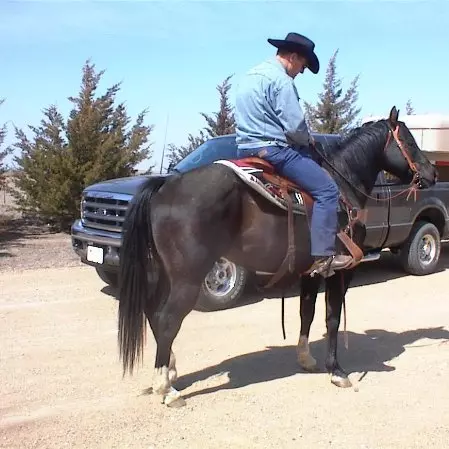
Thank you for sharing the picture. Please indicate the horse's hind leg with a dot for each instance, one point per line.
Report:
(309, 292)
(166, 324)
(172, 371)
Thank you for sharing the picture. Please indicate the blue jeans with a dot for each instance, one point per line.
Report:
(300, 168)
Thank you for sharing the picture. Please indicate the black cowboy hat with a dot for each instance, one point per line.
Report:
(301, 44)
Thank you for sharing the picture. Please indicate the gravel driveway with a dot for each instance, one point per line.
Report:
(61, 383)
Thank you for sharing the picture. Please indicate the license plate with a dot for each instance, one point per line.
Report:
(95, 254)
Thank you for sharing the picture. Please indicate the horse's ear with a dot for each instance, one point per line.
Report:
(394, 114)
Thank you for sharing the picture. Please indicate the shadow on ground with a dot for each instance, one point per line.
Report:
(385, 269)
(368, 352)
(15, 232)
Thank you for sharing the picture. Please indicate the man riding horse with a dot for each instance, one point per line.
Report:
(270, 124)
(171, 228)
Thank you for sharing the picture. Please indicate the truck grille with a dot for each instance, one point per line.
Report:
(106, 211)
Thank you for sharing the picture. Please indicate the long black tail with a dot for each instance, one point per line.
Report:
(138, 258)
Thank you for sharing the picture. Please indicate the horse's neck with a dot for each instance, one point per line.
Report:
(361, 174)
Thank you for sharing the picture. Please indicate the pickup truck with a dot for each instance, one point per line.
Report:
(411, 229)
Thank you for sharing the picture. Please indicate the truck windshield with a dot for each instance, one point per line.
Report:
(207, 153)
(224, 147)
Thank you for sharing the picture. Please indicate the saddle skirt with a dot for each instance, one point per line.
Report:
(261, 176)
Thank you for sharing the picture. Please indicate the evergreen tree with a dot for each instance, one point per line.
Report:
(336, 111)
(3, 152)
(45, 177)
(64, 156)
(409, 110)
(221, 122)
(218, 124)
(178, 153)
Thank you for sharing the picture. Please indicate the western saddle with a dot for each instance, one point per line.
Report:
(283, 188)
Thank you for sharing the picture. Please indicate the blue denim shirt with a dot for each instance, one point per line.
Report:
(267, 109)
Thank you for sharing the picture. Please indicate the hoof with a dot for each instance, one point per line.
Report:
(174, 399)
(307, 363)
(339, 381)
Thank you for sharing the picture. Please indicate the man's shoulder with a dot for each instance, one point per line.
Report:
(269, 67)
(271, 72)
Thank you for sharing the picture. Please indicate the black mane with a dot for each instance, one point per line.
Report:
(360, 143)
(358, 157)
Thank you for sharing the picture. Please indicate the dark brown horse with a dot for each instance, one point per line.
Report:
(177, 227)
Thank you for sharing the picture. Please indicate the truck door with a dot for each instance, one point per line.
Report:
(377, 214)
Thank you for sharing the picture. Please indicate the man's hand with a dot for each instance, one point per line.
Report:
(315, 150)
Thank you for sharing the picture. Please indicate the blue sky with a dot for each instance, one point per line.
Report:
(170, 55)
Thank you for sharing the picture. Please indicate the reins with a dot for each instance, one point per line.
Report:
(350, 209)
(353, 216)
(414, 184)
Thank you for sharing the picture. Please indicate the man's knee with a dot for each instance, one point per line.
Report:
(330, 192)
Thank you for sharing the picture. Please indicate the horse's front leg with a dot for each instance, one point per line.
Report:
(309, 292)
(336, 287)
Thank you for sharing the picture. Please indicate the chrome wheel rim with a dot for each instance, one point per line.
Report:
(222, 278)
(427, 249)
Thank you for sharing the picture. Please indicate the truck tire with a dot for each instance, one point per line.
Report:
(419, 255)
(222, 287)
(110, 277)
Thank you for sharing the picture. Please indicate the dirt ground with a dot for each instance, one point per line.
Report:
(61, 383)
(24, 247)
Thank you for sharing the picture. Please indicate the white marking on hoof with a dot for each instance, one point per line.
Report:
(172, 372)
(161, 382)
(174, 399)
(172, 375)
(342, 382)
(305, 360)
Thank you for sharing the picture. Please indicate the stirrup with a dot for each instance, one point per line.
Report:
(324, 269)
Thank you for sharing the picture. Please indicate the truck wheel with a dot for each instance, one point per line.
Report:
(420, 253)
(222, 287)
(110, 277)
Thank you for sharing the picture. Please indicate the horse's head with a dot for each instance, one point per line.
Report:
(403, 157)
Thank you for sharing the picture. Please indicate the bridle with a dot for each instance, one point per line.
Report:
(354, 214)
(415, 183)
(416, 180)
